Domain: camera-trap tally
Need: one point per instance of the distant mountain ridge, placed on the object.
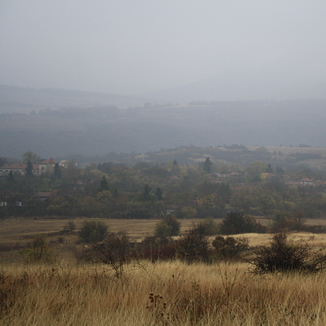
(24, 100)
(99, 130)
(243, 87)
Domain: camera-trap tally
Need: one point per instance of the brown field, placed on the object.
(15, 230)
(162, 293)
(17, 233)
(166, 293)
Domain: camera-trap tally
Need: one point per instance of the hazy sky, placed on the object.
(127, 47)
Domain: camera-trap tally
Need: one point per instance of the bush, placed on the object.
(282, 256)
(38, 251)
(69, 227)
(92, 232)
(193, 247)
(155, 248)
(286, 221)
(115, 251)
(169, 226)
(236, 222)
(229, 247)
(206, 227)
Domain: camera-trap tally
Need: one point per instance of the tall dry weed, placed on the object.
(168, 293)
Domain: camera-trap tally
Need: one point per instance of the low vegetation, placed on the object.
(167, 293)
(283, 256)
(191, 279)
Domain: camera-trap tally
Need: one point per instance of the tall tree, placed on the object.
(11, 177)
(57, 172)
(29, 169)
(159, 193)
(207, 166)
(104, 185)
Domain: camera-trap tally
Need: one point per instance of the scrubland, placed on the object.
(71, 292)
(165, 293)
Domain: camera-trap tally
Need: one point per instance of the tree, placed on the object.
(169, 226)
(11, 177)
(146, 194)
(29, 169)
(57, 172)
(30, 156)
(104, 185)
(236, 222)
(207, 166)
(92, 232)
(159, 193)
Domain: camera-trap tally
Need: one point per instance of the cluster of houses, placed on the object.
(46, 166)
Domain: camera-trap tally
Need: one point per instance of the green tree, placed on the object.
(11, 177)
(104, 185)
(92, 232)
(146, 194)
(57, 172)
(159, 193)
(30, 156)
(169, 226)
(236, 222)
(29, 169)
(205, 228)
(207, 166)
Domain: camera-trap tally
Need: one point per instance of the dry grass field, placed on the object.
(21, 230)
(166, 293)
(163, 293)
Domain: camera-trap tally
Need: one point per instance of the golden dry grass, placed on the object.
(161, 294)
(66, 293)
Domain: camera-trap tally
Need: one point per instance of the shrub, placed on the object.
(282, 256)
(38, 251)
(69, 227)
(236, 222)
(92, 232)
(115, 251)
(155, 248)
(193, 247)
(286, 221)
(229, 247)
(169, 226)
(206, 227)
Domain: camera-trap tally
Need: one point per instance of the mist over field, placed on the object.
(62, 131)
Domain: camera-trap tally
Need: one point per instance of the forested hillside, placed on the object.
(99, 130)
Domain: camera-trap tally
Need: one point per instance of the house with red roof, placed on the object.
(46, 166)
